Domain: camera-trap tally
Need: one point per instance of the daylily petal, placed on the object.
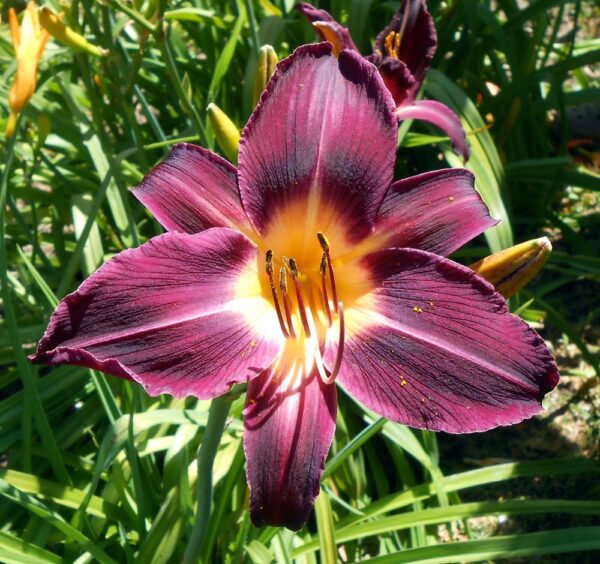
(327, 28)
(179, 315)
(433, 346)
(323, 138)
(437, 211)
(289, 424)
(193, 189)
(397, 78)
(417, 38)
(441, 116)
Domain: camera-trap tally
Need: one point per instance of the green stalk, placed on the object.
(165, 49)
(253, 27)
(217, 416)
(134, 15)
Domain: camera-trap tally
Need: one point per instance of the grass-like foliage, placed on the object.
(93, 469)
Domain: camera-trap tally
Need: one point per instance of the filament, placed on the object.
(341, 342)
(286, 302)
(301, 308)
(324, 289)
(274, 294)
(326, 376)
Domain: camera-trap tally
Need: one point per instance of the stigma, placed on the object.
(311, 295)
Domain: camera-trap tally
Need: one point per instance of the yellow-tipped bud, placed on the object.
(53, 24)
(265, 67)
(331, 34)
(29, 41)
(512, 269)
(227, 134)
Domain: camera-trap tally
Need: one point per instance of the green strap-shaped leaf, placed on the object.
(484, 162)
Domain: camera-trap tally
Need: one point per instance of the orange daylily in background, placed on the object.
(29, 41)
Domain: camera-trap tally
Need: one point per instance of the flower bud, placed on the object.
(512, 269)
(265, 67)
(53, 24)
(43, 129)
(29, 41)
(227, 134)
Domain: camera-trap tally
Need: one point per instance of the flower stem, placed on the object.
(206, 454)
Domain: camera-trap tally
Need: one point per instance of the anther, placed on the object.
(323, 241)
(322, 270)
(325, 246)
(286, 302)
(283, 279)
(269, 269)
(294, 270)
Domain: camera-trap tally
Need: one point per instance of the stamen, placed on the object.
(394, 38)
(324, 288)
(326, 376)
(294, 270)
(269, 259)
(286, 303)
(325, 246)
(390, 44)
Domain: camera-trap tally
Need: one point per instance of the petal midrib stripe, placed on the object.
(235, 306)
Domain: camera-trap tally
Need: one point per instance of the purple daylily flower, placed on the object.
(402, 53)
(304, 266)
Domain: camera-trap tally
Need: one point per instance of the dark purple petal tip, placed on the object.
(418, 38)
(437, 211)
(326, 27)
(441, 116)
(191, 190)
(289, 428)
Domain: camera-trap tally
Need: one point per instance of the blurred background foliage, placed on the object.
(91, 469)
